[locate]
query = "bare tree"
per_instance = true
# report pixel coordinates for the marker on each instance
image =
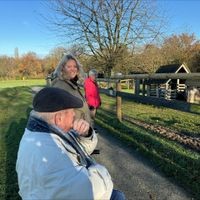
(107, 27)
(148, 60)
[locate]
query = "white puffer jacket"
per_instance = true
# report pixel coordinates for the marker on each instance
(49, 168)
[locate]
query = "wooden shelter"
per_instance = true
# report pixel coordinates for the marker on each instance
(168, 88)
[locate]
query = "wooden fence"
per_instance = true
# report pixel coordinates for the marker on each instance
(137, 79)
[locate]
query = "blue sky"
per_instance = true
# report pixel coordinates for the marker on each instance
(183, 16)
(21, 27)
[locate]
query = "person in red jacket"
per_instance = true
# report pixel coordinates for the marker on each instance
(92, 93)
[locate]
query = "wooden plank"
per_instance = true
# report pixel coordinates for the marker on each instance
(137, 86)
(159, 76)
(174, 104)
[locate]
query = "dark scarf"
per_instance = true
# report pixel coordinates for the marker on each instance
(74, 84)
(74, 80)
(38, 125)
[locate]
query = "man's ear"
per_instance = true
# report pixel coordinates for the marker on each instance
(57, 119)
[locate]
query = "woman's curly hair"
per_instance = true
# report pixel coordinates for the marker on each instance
(59, 72)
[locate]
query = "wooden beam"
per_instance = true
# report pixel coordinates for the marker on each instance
(159, 76)
(137, 86)
(119, 102)
(108, 80)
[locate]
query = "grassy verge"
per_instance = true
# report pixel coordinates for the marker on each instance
(14, 109)
(176, 162)
(16, 83)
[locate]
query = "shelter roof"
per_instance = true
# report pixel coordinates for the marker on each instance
(173, 68)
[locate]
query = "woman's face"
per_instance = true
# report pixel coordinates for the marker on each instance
(71, 68)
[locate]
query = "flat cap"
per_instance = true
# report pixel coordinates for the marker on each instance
(51, 99)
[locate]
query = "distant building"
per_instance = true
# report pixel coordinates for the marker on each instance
(168, 88)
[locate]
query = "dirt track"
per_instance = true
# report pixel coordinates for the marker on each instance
(187, 141)
(133, 174)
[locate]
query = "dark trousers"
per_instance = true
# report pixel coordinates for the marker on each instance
(117, 195)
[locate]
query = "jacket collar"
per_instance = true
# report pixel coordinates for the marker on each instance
(37, 125)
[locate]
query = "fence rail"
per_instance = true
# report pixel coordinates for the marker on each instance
(159, 76)
(136, 78)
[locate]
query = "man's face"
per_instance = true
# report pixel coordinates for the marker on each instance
(71, 68)
(66, 119)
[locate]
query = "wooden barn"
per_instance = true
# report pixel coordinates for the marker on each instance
(168, 88)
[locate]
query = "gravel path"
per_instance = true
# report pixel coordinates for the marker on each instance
(132, 174)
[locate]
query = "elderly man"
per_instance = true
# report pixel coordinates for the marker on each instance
(54, 154)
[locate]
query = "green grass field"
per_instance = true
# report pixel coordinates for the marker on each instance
(175, 161)
(17, 83)
(14, 109)
(187, 123)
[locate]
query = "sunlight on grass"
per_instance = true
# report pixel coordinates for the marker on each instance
(188, 123)
(16, 83)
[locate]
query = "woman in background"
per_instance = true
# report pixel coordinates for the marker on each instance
(92, 93)
(66, 76)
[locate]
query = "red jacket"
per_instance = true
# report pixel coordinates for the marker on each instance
(92, 93)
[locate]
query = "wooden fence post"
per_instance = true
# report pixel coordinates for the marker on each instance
(118, 102)
(148, 91)
(143, 87)
(137, 86)
(133, 86)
